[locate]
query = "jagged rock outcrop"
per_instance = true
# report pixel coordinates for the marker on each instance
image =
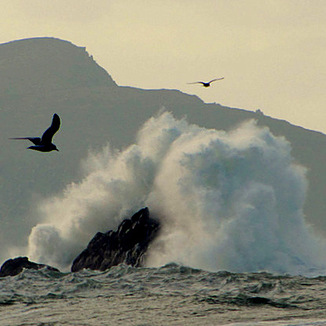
(126, 245)
(12, 267)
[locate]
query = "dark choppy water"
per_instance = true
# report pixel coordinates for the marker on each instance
(169, 295)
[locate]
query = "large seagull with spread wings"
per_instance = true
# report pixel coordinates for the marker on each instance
(44, 144)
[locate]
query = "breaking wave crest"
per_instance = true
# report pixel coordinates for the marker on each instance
(226, 200)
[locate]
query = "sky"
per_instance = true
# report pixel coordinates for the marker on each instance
(270, 52)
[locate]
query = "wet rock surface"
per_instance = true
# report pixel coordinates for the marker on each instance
(127, 245)
(12, 267)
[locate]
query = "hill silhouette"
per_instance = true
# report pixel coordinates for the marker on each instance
(45, 75)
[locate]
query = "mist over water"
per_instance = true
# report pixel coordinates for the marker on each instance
(226, 200)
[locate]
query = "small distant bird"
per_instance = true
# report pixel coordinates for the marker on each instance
(44, 144)
(206, 84)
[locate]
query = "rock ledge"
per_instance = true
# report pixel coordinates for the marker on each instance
(127, 245)
(12, 267)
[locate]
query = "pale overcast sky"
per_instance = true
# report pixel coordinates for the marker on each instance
(271, 52)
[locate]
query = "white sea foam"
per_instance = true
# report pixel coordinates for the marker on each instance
(226, 200)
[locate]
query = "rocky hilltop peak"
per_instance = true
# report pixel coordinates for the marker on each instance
(46, 64)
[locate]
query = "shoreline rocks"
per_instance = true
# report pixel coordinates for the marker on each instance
(12, 267)
(127, 245)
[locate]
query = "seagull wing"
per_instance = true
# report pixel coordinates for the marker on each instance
(199, 82)
(215, 80)
(48, 133)
(34, 140)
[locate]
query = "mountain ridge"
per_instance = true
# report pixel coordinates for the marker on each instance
(47, 64)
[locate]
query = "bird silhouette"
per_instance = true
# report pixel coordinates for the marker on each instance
(44, 144)
(207, 84)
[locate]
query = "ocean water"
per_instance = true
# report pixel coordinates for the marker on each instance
(230, 205)
(169, 295)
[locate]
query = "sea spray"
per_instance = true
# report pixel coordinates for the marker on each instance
(226, 200)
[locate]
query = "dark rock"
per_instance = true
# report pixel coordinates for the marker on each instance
(126, 245)
(12, 267)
